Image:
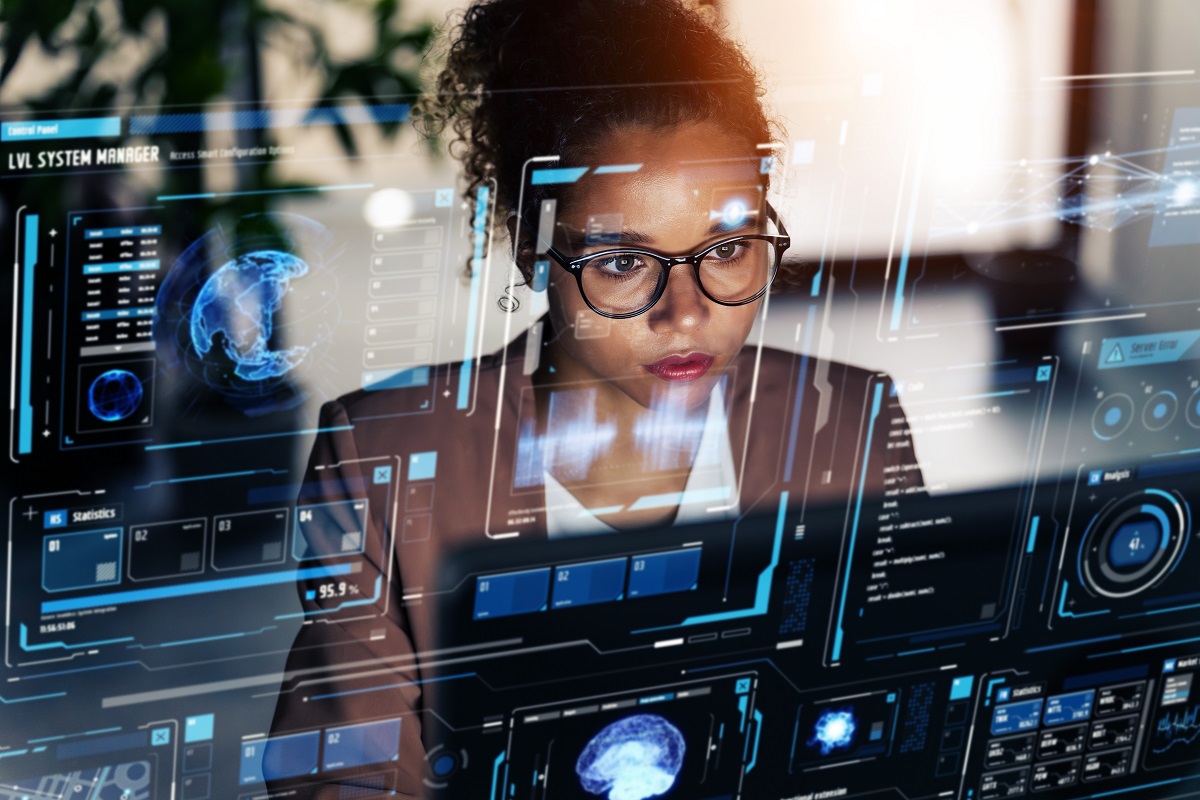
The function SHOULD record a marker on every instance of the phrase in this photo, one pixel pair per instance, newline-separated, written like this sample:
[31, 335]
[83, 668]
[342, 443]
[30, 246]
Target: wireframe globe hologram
[114, 395]
[236, 307]
[248, 311]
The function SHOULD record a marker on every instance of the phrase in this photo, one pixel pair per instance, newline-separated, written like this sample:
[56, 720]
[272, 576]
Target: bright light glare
[734, 213]
[388, 208]
[872, 17]
[1185, 192]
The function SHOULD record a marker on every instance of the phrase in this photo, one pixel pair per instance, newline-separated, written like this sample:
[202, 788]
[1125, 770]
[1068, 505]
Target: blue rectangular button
[279, 757]
[541, 177]
[1065, 708]
[81, 560]
[1016, 717]
[585, 584]
[541, 275]
[329, 530]
[664, 573]
[37, 130]
[404, 379]
[511, 593]
[360, 745]
[961, 688]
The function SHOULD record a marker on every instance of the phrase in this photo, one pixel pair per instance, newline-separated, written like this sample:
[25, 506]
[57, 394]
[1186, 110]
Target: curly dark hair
[526, 78]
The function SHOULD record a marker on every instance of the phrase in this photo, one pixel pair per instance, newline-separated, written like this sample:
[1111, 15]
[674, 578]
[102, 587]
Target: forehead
[645, 179]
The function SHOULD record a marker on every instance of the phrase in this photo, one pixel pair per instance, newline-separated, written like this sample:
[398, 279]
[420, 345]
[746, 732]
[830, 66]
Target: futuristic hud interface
[206, 578]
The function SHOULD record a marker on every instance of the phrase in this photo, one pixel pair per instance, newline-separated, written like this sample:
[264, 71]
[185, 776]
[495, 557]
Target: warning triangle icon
[1116, 356]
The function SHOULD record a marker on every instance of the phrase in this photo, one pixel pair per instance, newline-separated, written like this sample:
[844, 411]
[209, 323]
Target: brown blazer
[771, 394]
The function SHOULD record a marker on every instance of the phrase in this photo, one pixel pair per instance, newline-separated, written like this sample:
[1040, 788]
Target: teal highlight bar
[259, 119]
[1141, 351]
[404, 379]
[199, 442]
[118, 313]
[840, 634]
[25, 433]
[762, 593]
[189, 589]
[6, 702]
[656, 698]
[610, 169]
[496, 778]
[295, 190]
[479, 230]
[758, 722]
[909, 230]
[42, 130]
[147, 265]
[128, 230]
[1164, 525]
[1033, 529]
[544, 177]
[32, 648]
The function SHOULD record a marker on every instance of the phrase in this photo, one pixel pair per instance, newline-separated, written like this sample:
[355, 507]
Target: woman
[629, 153]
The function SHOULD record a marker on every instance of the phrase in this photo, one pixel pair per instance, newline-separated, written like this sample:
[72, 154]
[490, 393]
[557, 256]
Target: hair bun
[526, 78]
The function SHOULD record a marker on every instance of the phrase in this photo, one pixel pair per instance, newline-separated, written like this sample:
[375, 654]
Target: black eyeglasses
[625, 282]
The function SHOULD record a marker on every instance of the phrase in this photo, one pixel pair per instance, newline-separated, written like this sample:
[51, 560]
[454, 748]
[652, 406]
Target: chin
[664, 395]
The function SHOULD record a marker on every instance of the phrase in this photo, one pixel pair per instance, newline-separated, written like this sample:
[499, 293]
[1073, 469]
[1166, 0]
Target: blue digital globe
[632, 759]
[236, 307]
[114, 395]
[834, 730]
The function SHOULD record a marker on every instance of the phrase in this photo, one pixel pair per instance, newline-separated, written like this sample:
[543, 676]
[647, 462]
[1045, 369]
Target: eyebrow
[718, 227]
[627, 237]
[630, 237]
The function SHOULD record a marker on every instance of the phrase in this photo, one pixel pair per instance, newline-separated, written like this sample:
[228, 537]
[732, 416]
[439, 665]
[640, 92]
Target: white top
[709, 495]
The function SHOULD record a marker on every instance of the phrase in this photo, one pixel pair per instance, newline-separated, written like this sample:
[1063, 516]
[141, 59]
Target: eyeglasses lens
[626, 282]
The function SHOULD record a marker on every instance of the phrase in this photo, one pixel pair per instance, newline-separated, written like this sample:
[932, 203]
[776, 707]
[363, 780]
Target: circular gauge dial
[1133, 543]
[1112, 416]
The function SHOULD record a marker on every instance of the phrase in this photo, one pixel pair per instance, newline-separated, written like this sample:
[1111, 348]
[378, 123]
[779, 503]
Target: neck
[603, 446]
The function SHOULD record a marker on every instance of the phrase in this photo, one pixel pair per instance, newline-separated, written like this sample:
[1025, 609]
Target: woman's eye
[726, 251]
[618, 264]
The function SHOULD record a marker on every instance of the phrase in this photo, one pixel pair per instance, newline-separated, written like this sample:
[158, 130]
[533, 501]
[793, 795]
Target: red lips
[681, 368]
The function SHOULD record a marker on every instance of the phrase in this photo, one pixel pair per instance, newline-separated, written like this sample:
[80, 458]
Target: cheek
[613, 348]
[741, 320]
[589, 339]
[564, 301]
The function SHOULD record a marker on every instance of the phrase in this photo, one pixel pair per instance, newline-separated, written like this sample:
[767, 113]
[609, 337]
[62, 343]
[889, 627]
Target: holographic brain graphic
[114, 395]
[632, 759]
[239, 302]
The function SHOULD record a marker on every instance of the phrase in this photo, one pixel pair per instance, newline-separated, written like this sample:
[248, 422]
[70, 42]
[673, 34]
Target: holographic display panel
[332, 475]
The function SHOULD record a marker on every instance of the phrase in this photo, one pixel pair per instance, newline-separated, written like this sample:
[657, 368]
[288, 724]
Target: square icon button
[422, 466]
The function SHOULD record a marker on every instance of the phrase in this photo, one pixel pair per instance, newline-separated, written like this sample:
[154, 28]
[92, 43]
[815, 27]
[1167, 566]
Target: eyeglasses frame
[781, 240]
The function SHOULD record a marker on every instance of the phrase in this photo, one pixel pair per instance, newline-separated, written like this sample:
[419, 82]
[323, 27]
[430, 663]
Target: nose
[683, 306]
